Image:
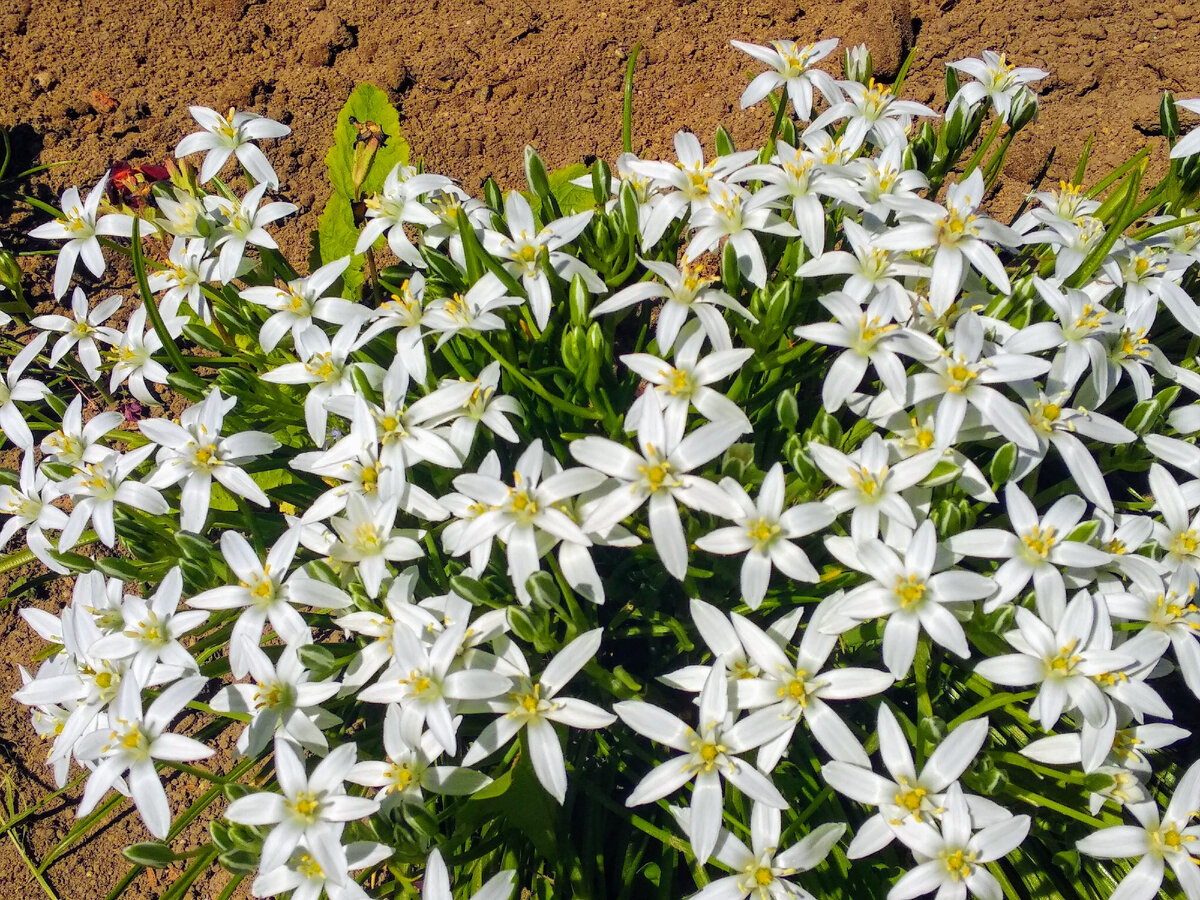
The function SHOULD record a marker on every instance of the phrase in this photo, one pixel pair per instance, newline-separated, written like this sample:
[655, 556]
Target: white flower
[195, 453]
[787, 692]
[301, 301]
[869, 485]
[133, 359]
[243, 222]
[658, 474]
[1035, 548]
[305, 878]
[228, 135]
[408, 771]
[1171, 611]
[1064, 661]
[81, 229]
[795, 174]
[685, 291]
[397, 204]
[763, 872]
[188, 269]
[871, 110]
[437, 882]
[870, 337]
[872, 272]
[330, 371]
[952, 861]
[686, 384]
[28, 507]
[710, 755]
[1179, 532]
[764, 532]
[84, 330]
[997, 80]
[97, 486]
[402, 313]
[282, 702]
[908, 594]
[962, 376]
[1170, 839]
[311, 808]
[524, 514]
[14, 388]
[534, 705]
[907, 796]
[1189, 145]
[75, 442]
[958, 234]
[526, 249]
[367, 537]
[689, 182]
[469, 313]
[151, 631]
[266, 593]
[133, 743]
[735, 214]
[791, 66]
[426, 680]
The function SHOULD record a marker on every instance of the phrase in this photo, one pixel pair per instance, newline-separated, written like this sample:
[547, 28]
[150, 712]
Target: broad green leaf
[337, 236]
[368, 104]
[571, 197]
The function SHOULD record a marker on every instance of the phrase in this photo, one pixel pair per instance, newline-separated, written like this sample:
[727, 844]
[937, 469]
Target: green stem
[627, 111]
[160, 328]
[24, 557]
[555, 401]
[780, 110]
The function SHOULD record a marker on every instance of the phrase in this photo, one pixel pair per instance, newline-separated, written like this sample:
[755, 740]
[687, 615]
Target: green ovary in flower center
[870, 483]
[304, 806]
[958, 863]
[1065, 662]
[1039, 542]
[659, 475]
[762, 532]
[956, 227]
[1185, 543]
[910, 591]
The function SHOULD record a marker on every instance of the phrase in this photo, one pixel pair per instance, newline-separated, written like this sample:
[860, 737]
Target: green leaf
[367, 104]
[150, 853]
[571, 197]
[337, 236]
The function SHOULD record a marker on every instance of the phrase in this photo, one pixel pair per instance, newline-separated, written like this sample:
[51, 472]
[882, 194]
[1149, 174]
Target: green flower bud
[730, 273]
[1003, 463]
[596, 355]
[724, 142]
[858, 64]
[493, 196]
[542, 590]
[10, 272]
[787, 411]
[601, 182]
[580, 301]
[1168, 117]
[951, 83]
[1024, 110]
[471, 589]
[535, 173]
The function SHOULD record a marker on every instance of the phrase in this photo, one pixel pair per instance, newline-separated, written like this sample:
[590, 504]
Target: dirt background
[91, 82]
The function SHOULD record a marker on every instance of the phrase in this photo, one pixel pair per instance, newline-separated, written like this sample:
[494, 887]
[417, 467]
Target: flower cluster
[587, 523]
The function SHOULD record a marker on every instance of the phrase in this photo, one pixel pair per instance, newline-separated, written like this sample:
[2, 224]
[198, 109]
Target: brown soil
[475, 82]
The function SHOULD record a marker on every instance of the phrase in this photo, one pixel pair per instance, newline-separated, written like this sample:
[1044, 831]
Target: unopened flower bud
[10, 272]
[1024, 110]
[858, 64]
[535, 173]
